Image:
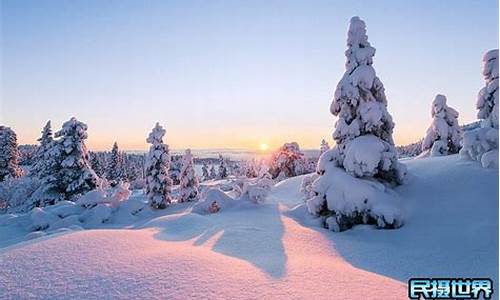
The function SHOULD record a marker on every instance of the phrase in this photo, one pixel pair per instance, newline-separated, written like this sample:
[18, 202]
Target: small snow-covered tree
[175, 169]
[158, 182]
[222, 168]
[115, 167]
[74, 175]
[189, 181]
[204, 170]
[323, 147]
[97, 163]
[46, 142]
[443, 136]
[9, 154]
[356, 172]
[213, 173]
[288, 161]
[481, 144]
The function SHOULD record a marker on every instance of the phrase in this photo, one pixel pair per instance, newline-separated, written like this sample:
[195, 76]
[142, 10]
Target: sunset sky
[230, 74]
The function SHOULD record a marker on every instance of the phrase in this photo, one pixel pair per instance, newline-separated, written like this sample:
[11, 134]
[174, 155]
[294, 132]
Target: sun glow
[263, 147]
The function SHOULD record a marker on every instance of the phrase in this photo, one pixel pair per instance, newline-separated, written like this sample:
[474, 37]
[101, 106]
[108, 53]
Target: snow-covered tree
[444, 134]
[74, 175]
[481, 144]
[98, 163]
[356, 172]
[9, 154]
[288, 161]
[46, 142]
[222, 168]
[204, 170]
[175, 169]
[189, 181]
[213, 173]
[158, 182]
[115, 167]
[323, 147]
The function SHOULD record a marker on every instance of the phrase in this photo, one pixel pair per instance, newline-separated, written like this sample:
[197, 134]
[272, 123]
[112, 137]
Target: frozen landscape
[255, 251]
[179, 165]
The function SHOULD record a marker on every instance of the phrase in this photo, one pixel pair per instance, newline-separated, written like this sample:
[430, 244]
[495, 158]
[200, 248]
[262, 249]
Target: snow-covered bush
[351, 188]
[444, 134]
[213, 201]
[306, 187]
[256, 190]
[9, 154]
[288, 161]
[188, 179]
[158, 182]
[18, 194]
[481, 144]
[323, 147]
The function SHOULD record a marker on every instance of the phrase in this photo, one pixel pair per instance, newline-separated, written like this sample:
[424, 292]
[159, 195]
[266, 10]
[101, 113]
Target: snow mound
[206, 206]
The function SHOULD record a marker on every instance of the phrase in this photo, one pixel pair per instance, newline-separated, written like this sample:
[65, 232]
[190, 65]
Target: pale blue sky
[230, 73]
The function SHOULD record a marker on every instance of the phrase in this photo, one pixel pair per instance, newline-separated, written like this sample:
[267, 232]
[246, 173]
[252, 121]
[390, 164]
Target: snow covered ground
[272, 250]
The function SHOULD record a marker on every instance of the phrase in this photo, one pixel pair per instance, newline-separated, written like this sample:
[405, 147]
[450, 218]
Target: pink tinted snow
[132, 264]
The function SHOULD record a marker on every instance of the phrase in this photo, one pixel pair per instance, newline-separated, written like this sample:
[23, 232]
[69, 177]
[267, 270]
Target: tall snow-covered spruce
[158, 182]
[189, 182]
[75, 175]
[444, 134]
[356, 175]
[9, 154]
[222, 168]
[481, 144]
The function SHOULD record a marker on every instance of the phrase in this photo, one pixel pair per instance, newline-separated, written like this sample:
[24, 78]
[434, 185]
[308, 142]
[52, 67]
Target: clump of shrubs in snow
[444, 134]
[306, 186]
[354, 175]
[288, 161]
[481, 144]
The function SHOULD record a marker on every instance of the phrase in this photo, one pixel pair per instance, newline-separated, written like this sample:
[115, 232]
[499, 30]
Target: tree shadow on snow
[250, 232]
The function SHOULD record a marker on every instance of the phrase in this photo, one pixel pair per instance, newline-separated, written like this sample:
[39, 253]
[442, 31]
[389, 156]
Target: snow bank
[213, 195]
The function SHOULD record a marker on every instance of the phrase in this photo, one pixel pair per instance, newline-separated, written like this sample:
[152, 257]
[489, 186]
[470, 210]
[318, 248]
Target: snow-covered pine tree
[74, 175]
[444, 134]
[481, 144]
[487, 100]
[115, 167]
[46, 142]
[222, 168]
[323, 147]
[355, 173]
[158, 182]
[175, 168]
[213, 173]
[97, 163]
[9, 154]
[204, 170]
[189, 181]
